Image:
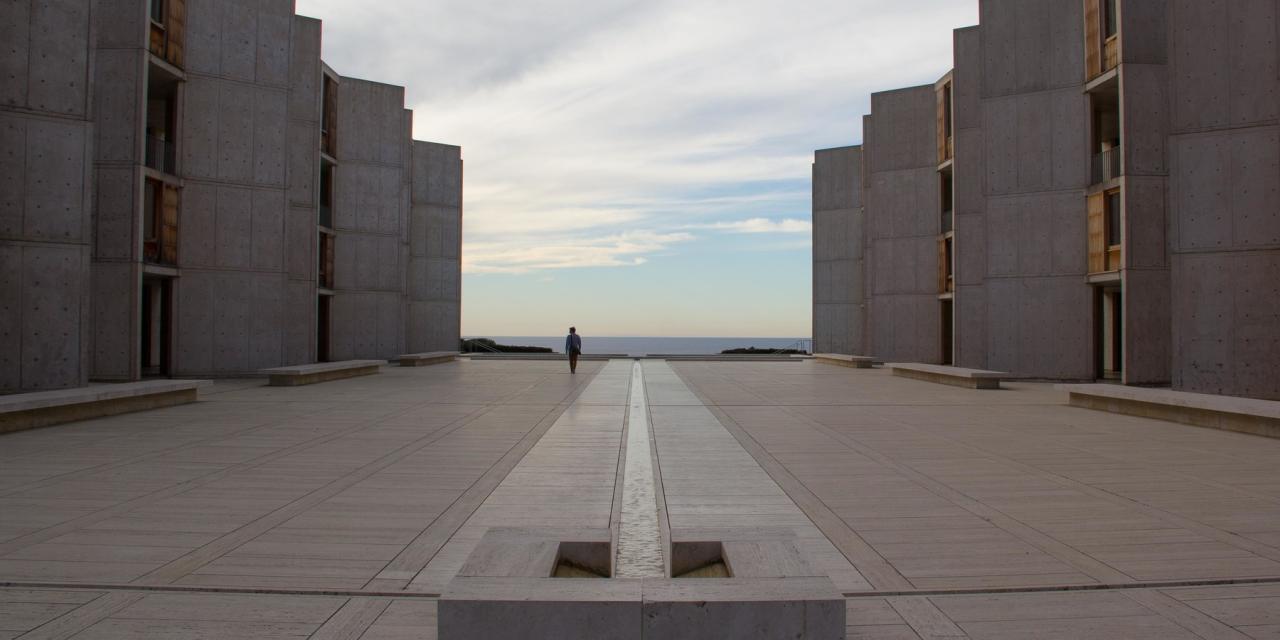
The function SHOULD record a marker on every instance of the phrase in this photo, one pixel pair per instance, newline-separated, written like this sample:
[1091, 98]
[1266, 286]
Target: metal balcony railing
[1106, 165]
[161, 155]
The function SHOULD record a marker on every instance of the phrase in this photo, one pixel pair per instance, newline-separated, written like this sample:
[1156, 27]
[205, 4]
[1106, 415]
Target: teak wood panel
[1092, 38]
[942, 124]
[329, 142]
[176, 31]
[1097, 227]
[170, 202]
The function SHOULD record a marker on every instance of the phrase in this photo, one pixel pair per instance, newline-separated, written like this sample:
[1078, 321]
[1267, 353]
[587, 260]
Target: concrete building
[231, 227]
[46, 186]
[1107, 178]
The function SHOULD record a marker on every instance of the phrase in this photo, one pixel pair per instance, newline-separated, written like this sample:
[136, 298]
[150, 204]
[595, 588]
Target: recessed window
[157, 11]
[1110, 26]
[1113, 219]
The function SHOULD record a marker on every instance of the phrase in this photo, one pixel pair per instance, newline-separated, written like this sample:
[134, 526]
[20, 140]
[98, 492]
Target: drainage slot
[699, 560]
[582, 560]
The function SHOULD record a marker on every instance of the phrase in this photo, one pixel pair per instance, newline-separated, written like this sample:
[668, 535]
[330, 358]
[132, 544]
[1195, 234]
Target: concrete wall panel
[1224, 56]
[268, 230]
[304, 70]
[236, 132]
[1146, 223]
[115, 236]
[300, 240]
[11, 309]
[13, 174]
[274, 29]
[300, 323]
[57, 157]
[270, 124]
[15, 62]
[58, 81]
[200, 116]
[1145, 114]
[199, 223]
[119, 23]
[235, 305]
[204, 36]
[115, 304]
[234, 233]
[266, 329]
[117, 113]
[1148, 332]
[303, 162]
[1145, 25]
[51, 340]
[239, 46]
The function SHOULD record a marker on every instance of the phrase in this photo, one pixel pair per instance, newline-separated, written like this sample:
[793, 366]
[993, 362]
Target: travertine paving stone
[369, 486]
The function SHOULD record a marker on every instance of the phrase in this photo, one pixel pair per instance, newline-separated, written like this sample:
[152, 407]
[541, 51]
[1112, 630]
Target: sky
[639, 168]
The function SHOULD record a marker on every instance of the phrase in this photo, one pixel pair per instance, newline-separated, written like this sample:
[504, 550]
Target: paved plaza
[344, 509]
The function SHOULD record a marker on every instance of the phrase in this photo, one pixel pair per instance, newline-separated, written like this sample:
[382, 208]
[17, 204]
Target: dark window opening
[948, 201]
[1110, 26]
[157, 11]
[946, 110]
[161, 129]
[1114, 232]
[326, 195]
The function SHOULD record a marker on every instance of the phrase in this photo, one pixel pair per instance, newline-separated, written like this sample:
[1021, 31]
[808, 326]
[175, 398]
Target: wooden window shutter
[176, 31]
[169, 225]
[942, 124]
[1092, 39]
[1097, 233]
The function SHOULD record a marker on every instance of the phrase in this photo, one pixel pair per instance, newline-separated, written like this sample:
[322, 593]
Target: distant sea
[636, 346]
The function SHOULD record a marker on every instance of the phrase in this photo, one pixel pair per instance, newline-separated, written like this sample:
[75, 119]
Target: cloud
[583, 122]
[760, 225]
[526, 255]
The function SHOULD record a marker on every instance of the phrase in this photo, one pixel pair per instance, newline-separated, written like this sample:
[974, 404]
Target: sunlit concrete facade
[214, 228]
[1107, 177]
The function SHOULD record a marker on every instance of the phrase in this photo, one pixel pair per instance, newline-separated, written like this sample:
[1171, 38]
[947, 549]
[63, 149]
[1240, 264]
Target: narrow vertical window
[1110, 26]
[1113, 219]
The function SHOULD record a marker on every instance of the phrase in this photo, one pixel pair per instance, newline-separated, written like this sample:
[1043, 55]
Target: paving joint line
[424, 595]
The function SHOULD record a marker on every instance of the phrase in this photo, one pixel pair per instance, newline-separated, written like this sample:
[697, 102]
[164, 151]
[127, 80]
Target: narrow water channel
[639, 537]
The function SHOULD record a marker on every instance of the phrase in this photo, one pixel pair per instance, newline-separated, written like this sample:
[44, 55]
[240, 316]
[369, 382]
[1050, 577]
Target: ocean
[638, 346]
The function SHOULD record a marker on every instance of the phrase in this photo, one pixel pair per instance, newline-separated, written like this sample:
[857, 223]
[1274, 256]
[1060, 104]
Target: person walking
[573, 347]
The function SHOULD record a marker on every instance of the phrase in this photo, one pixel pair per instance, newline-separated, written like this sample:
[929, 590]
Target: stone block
[755, 608]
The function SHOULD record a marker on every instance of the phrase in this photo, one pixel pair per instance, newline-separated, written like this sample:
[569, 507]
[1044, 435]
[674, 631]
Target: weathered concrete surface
[435, 249]
[839, 296]
[371, 219]
[46, 155]
[902, 222]
[1224, 210]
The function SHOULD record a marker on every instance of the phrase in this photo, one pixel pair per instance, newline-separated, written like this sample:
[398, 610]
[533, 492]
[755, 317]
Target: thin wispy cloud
[760, 225]
[585, 121]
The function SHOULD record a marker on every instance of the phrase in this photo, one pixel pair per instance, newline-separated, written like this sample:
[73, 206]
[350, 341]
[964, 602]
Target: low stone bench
[299, 375]
[954, 376]
[1229, 413]
[41, 409]
[839, 359]
[425, 359]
